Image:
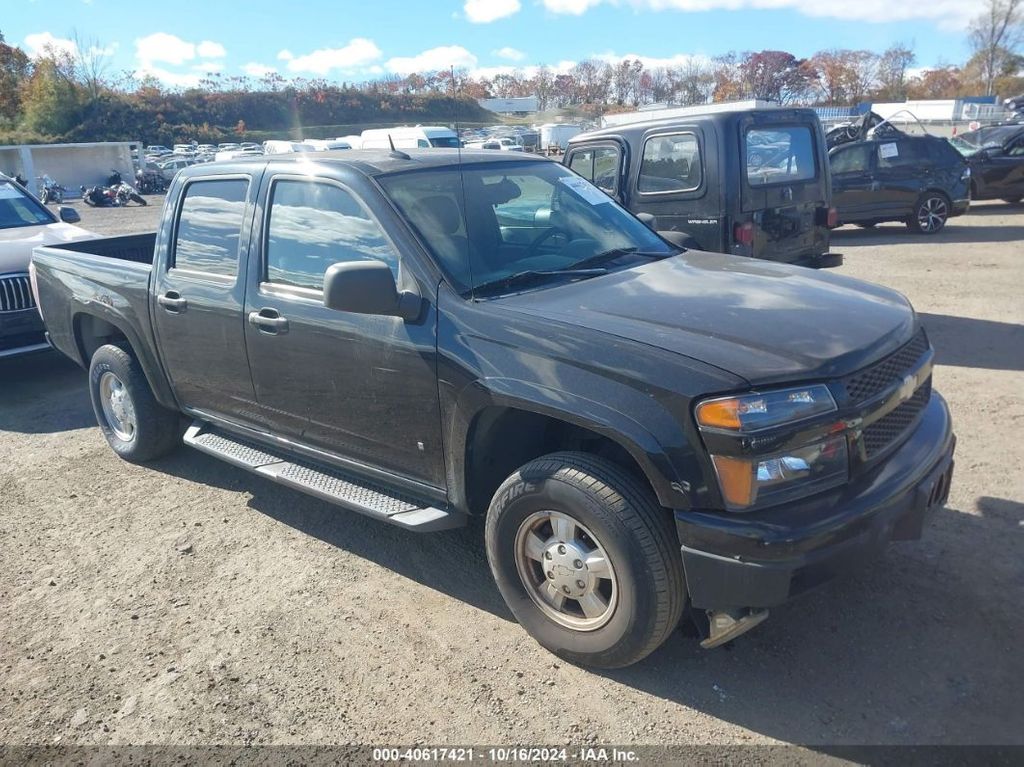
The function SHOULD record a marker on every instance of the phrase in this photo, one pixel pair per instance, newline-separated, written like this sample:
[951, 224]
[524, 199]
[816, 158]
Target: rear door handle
[268, 321]
[172, 302]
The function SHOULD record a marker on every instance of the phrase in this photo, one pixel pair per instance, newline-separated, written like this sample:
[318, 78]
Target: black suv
[995, 155]
[751, 182]
[920, 180]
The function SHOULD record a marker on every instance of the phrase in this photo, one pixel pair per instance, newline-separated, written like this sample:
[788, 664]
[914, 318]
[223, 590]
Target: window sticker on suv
[888, 150]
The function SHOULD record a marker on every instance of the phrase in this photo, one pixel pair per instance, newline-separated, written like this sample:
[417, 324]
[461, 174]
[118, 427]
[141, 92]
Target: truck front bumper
[21, 332]
[762, 559]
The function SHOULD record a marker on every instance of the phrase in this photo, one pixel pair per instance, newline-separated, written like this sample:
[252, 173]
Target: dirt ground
[190, 602]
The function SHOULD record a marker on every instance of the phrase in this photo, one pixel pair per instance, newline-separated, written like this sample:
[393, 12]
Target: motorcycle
[150, 182]
[99, 197]
[51, 191]
[126, 193]
[114, 179]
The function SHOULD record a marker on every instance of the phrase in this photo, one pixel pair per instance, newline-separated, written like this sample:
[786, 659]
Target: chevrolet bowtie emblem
[907, 388]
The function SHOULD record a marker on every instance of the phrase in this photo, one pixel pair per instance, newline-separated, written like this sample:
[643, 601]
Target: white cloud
[257, 70]
[210, 50]
[433, 60]
[285, 55]
[174, 79]
[654, 62]
[509, 53]
[41, 43]
[205, 67]
[486, 11]
[948, 13]
[572, 7]
[165, 48]
[358, 53]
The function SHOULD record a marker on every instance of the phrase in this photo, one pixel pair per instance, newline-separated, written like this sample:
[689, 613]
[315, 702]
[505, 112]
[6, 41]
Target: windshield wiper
[533, 275]
[607, 256]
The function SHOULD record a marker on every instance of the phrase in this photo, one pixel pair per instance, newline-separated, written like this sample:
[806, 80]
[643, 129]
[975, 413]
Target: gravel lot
[190, 602]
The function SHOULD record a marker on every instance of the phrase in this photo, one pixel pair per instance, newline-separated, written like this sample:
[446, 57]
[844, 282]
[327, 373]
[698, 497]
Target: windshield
[445, 142]
[984, 138]
[514, 218]
[19, 209]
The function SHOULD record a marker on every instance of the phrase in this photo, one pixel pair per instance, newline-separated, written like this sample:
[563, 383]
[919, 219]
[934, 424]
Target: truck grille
[874, 380]
[892, 426]
[16, 293]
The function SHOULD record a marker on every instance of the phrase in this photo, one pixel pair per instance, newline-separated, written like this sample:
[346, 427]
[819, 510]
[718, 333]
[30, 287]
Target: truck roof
[370, 162]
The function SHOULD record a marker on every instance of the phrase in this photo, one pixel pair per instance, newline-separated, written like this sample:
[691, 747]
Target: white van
[286, 147]
[421, 136]
[326, 144]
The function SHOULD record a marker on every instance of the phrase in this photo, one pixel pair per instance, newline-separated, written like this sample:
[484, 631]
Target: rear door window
[780, 155]
[670, 164]
[902, 154]
[210, 227]
[598, 165]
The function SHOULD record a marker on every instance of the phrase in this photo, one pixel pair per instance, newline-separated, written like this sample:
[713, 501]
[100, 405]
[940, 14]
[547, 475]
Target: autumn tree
[938, 83]
[775, 76]
[995, 37]
[892, 72]
[15, 69]
[843, 76]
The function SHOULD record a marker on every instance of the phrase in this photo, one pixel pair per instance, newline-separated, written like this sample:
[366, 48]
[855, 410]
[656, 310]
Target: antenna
[395, 153]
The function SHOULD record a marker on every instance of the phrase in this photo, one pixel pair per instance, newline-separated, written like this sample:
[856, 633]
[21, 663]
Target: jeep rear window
[780, 155]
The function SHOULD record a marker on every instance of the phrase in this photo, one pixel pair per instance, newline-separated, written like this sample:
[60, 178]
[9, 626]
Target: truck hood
[16, 244]
[761, 321]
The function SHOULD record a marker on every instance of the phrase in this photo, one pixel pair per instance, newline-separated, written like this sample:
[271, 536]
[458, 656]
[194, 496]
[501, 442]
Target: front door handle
[172, 302]
[268, 321]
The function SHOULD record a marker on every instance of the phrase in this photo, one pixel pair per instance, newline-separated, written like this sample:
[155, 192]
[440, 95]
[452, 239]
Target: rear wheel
[586, 560]
[930, 213]
[135, 425]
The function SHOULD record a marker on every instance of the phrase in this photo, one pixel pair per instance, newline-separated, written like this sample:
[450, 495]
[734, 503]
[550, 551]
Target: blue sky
[178, 42]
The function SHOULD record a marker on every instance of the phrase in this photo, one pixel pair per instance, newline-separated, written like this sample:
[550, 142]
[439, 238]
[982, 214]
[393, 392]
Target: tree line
[70, 96]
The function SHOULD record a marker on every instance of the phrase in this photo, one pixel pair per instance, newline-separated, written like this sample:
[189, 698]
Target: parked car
[749, 182]
[919, 180]
[403, 137]
[648, 431]
[25, 223]
[995, 155]
[170, 167]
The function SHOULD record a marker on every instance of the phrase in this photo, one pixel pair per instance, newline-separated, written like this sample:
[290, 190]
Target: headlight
[751, 412]
[760, 480]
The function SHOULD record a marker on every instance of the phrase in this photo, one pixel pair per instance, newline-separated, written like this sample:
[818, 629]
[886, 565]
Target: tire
[608, 512]
[134, 424]
[930, 213]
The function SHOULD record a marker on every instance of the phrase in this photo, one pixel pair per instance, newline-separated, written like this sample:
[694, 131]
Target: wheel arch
[91, 330]
[527, 427]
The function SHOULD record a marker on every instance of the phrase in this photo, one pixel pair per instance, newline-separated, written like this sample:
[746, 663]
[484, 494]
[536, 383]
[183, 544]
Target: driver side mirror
[648, 220]
[368, 287]
[68, 215]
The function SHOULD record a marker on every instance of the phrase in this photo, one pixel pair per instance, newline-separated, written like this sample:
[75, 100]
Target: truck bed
[105, 280]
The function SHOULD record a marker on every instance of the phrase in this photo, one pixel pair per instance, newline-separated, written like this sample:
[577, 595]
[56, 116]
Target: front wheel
[585, 559]
[930, 213]
[136, 426]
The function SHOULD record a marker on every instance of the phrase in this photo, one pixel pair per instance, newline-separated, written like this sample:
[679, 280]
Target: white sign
[585, 189]
[885, 151]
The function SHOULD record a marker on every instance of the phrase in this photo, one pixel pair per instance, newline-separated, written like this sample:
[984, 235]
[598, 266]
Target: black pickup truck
[649, 432]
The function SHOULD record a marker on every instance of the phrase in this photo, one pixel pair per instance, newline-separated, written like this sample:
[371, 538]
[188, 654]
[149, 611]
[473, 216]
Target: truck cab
[750, 183]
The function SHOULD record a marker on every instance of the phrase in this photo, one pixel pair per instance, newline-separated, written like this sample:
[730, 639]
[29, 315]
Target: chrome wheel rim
[118, 408]
[566, 571]
[932, 214]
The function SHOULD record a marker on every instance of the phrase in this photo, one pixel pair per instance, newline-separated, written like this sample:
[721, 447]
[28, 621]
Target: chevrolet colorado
[420, 337]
